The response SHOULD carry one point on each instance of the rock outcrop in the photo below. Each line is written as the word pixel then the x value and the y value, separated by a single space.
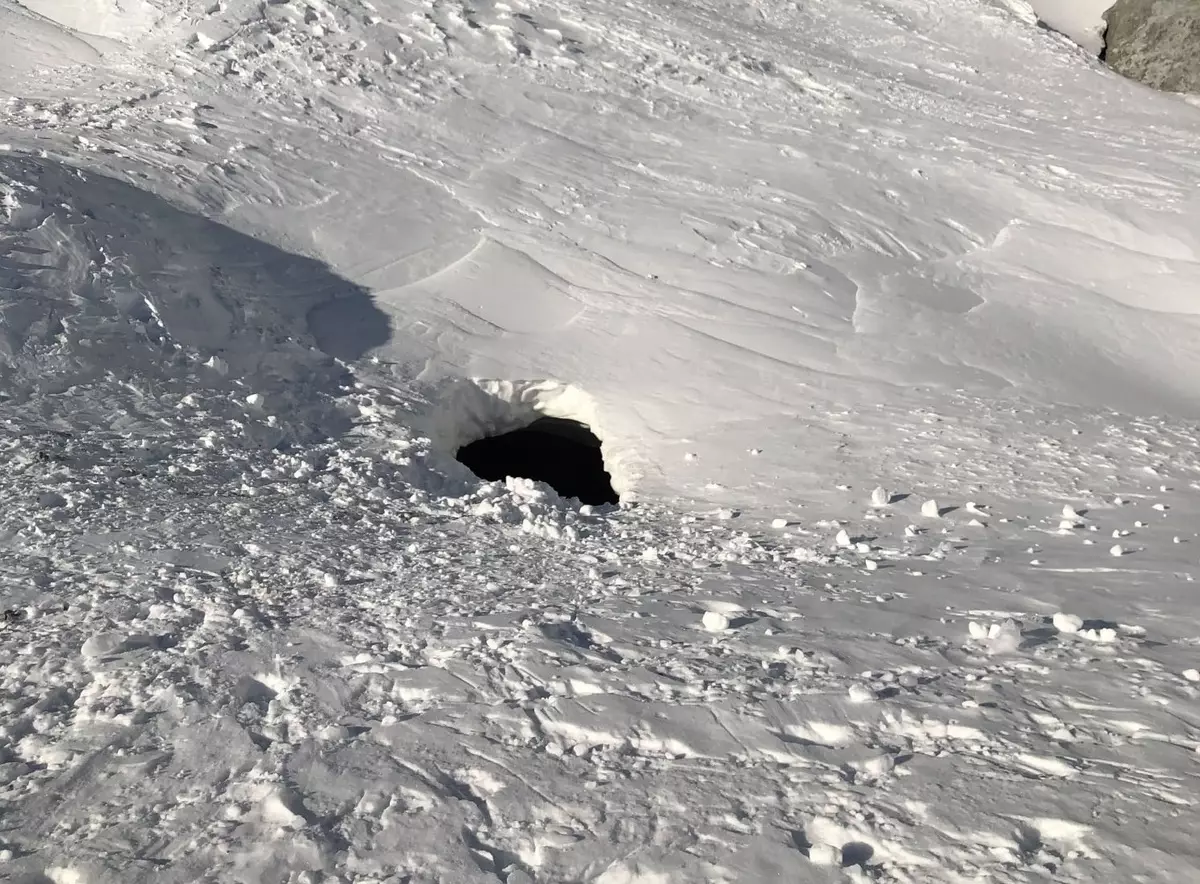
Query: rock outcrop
pixel 1156 42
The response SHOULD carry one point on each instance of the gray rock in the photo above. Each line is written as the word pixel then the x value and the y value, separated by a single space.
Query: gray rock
pixel 1156 42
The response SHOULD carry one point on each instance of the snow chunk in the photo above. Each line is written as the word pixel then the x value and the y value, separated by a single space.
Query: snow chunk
pixel 880 497
pixel 860 693
pixel 715 621
pixel 1069 623
pixel 930 509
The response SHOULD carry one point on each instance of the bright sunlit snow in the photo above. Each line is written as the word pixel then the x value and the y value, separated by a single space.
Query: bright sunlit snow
pixel 884 312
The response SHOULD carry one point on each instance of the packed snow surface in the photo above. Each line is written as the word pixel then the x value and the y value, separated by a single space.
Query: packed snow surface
pixel 885 313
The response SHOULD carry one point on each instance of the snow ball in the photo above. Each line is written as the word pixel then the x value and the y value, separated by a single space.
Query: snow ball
pixel 1118 501
pixel 779 523
pixel 1176 539
pixel 1116 550
pixel 255 400
pixel 871 565
pixel 843 539
pixel 715 621
pixel 930 509
pixel 755 452
pixel 1105 635
pixel 1192 674
pixel 880 497
pixel 1069 623
pixel 1139 524
pixel 860 693
pixel 1161 507
pixel 977 630
pixel 691 455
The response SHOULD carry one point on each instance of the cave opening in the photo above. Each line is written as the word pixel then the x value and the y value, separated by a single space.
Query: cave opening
pixel 564 454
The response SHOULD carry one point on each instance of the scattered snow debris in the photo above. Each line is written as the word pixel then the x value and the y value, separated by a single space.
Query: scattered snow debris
pixel 843 540
pixel 715 621
pixel 930 509
pixel 779 523
pixel 1192 674
pixel 1069 623
pixel 860 693
pixel 1116 550
pixel 880 497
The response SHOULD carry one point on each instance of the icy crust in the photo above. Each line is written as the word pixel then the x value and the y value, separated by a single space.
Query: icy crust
pixel 467 410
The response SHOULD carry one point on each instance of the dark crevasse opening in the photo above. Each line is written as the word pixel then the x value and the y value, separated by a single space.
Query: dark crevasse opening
pixel 562 453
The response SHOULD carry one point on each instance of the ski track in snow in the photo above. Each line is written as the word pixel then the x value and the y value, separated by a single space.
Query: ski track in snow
pixel 258 626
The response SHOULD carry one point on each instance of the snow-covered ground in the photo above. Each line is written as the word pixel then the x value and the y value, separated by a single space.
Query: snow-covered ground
pixel 260 627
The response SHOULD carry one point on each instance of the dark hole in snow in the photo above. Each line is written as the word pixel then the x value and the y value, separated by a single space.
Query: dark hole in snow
pixel 562 453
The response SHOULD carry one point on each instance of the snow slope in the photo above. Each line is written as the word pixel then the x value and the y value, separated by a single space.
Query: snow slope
pixel 261 627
